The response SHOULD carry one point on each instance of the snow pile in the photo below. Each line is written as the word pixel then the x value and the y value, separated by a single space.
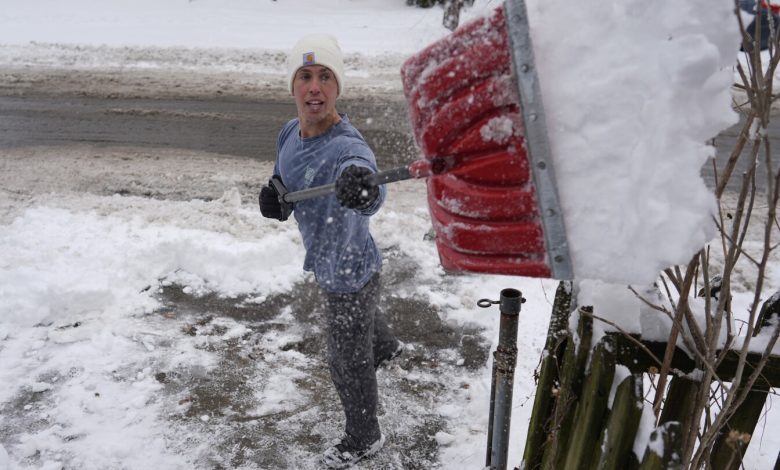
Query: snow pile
pixel 4 460
pixel 632 93
pixel 103 266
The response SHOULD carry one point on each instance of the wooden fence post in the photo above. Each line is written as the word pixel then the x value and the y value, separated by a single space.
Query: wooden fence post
pixel 592 406
pixel 574 362
pixel 544 402
pixel 680 398
pixel 730 446
pixel 617 440
pixel 667 439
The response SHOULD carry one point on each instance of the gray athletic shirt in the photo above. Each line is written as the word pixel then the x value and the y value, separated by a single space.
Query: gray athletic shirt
pixel 339 248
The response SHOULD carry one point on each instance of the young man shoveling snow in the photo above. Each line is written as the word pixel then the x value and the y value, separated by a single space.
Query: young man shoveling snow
pixel 321 147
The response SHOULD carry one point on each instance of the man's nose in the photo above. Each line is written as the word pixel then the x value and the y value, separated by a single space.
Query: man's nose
pixel 315 86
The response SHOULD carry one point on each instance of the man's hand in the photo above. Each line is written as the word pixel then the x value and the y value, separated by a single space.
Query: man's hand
pixel 352 191
pixel 271 206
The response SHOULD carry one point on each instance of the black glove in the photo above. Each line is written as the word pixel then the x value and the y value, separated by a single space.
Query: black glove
pixel 271 206
pixel 352 191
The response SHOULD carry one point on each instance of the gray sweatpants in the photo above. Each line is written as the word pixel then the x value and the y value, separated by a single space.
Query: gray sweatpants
pixel 358 336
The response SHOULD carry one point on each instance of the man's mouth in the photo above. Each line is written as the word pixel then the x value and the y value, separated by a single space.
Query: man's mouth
pixel 315 104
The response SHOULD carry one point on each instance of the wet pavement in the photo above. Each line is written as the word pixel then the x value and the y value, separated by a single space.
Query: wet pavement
pixel 227 395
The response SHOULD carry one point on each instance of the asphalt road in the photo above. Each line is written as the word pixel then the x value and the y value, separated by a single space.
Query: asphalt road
pixel 724 145
pixel 241 128
pixel 236 127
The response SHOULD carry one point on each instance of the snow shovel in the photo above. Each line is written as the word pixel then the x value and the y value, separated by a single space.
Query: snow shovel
pixel 476 111
pixel 475 96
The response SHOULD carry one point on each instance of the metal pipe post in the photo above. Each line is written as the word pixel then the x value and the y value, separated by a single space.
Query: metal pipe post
pixel 491 416
pixel 504 361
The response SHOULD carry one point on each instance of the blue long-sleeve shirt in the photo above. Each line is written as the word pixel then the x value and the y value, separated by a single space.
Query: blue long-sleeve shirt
pixel 339 248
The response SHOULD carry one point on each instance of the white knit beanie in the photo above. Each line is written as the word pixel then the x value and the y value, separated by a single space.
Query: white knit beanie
pixel 316 49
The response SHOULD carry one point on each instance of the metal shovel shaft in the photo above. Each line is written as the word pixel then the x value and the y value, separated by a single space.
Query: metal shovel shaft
pixel 309 193
pixel 375 179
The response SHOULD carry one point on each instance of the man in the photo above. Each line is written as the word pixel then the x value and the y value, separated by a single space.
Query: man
pixel 321 147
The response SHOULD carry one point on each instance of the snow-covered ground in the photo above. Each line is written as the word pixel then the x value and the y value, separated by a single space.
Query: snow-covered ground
pixel 178 331
pixel 103 369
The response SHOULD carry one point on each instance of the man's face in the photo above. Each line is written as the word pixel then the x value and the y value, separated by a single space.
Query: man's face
pixel 315 90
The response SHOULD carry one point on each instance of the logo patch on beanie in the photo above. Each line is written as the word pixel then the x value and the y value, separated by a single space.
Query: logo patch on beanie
pixel 308 58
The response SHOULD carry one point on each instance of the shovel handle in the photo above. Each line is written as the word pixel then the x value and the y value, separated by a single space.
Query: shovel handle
pixel 309 193
pixel 418 169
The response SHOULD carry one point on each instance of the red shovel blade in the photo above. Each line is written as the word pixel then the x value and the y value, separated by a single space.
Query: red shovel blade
pixel 463 103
